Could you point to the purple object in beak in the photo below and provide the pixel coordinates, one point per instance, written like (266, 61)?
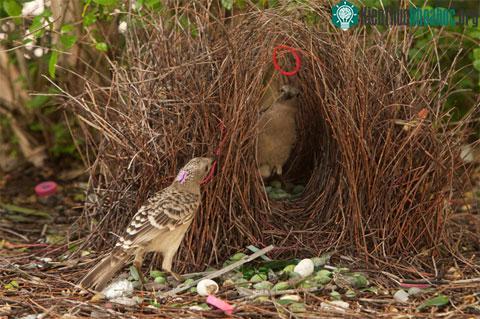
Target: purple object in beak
(182, 176)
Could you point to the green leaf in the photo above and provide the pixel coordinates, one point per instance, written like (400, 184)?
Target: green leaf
(38, 101)
(89, 18)
(101, 46)
(37, 28)
(438, 301)
(241, 4)
(285, 302)
(282, 285)
(66, 28)
(476, 54)
(154, 4)
(476, 65)
(237, 256)
(156, 273)
(262, 3)
(258, 278)
(134, 273)
(475, 34)
(12, 285)
(358, 281)
(227, 4)
(68, 40)
(12, 8)
(297, 307)
(335, 295)
(106, 2)
(272, 3)
(52, 64)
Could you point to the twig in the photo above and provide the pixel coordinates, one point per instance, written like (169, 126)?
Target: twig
(220, 272)
(266, 292)
(25, 238)
(376, 300)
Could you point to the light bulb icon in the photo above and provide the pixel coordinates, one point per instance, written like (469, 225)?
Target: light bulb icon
(345, 15)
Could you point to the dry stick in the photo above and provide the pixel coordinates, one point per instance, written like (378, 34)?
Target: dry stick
(270, 293)
(220, 272)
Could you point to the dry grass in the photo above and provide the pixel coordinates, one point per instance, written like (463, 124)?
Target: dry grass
(373, 188)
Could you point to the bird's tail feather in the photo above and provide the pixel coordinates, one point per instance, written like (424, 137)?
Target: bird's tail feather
(98, 276)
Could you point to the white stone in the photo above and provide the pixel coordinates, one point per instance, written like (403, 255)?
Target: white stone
(35, 7)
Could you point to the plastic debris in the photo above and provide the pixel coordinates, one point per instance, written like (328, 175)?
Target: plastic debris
(45, 189)
(220, 304)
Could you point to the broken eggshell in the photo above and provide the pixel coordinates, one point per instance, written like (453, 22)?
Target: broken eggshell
(207, 287)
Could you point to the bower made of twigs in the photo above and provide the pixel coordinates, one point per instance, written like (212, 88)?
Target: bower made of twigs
(373, 186)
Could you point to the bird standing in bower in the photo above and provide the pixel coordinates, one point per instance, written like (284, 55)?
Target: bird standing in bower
(158, 226)
(277, 132)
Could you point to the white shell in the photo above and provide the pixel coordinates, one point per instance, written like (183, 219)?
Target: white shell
(334, 306)
(305, 267)
(207, 287)
(400, 296)
(290, 297)
(122, 27)
(38, 52)
(120, 288)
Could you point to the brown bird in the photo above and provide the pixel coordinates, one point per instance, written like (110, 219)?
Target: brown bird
(277, 132)
(158, 226)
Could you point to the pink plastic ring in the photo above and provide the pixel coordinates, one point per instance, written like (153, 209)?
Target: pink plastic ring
(46, 189)
(294, 52)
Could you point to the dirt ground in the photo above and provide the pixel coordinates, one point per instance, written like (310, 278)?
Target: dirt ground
(42, 256)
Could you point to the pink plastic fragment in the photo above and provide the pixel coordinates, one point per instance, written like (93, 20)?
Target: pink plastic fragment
(220, 304)
(46, 189)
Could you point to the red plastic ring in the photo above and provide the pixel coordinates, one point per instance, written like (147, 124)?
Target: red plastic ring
(46, 189)
(295, 54)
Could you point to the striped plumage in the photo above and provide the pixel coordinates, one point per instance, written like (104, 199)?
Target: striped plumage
(158, 226)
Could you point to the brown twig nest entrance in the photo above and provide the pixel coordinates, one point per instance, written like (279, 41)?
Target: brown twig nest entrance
(379, 166)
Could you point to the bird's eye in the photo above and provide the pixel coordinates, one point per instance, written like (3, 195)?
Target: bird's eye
(206, 168)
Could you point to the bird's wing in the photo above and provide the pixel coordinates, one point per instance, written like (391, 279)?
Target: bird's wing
(162, 213)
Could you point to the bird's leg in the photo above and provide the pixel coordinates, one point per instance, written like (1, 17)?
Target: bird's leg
(167, 266)
(278, 170)
(137, 263)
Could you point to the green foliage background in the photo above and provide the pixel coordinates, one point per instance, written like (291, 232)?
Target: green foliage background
(54, 125)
